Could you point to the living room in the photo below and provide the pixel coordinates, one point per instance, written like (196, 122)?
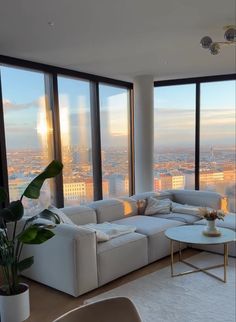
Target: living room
(135, 103)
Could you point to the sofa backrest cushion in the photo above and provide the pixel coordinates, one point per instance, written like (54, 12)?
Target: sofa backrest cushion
(155, 194)
(80, 215)
(197, 198)
(114, 209)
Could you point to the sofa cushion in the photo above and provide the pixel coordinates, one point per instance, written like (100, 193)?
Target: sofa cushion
(197, 198)
(156, 206)
(147, 225)
(107, 230)
(155, 194)
(184, 218)
(120, 256)
(80, 215)
(154, 228)
(113, 209)
(228, 222)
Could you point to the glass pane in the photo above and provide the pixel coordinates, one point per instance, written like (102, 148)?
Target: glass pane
(217, 157)
(28, 127)
(75, 125)
(114, 140)
(174, 137)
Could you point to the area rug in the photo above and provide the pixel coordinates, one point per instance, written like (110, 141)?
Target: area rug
(190, 298)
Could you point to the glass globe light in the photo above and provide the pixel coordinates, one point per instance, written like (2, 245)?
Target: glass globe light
(230, 34)
(214, 48)
(206, 42)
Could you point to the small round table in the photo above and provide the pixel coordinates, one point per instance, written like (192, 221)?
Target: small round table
(192, 234)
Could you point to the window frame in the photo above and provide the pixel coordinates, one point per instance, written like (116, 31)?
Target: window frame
(197, 81)
(51, 89)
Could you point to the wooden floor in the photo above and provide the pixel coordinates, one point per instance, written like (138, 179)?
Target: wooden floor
(48, 304)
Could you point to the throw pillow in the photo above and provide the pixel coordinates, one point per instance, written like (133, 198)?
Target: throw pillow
(155, 206)
(185, 209)
(141, 205)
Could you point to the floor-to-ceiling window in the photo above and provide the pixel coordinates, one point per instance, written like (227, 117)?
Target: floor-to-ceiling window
(217, 138)
(48, 112)
(114, 123)
(204, 108)
(76, 147)
(174, 137)
(28, 127)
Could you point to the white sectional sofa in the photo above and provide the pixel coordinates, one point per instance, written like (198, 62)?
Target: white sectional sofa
(75, 263)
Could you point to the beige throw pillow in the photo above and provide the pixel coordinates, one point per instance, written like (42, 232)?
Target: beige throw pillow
(155, 206)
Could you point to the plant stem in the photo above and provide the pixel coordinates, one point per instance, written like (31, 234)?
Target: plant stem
(14, 232)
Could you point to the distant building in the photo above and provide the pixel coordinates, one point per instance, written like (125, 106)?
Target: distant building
(169, 181)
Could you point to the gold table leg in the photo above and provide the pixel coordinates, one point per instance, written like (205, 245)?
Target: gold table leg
(172, 257)
(196, 268)
(225, 261)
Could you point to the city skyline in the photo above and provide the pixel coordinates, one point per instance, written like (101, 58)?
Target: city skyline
(29, 135)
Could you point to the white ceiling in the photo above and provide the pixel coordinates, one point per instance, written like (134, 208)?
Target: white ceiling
(119, 38)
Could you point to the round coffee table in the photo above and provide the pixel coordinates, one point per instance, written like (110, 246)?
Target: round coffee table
(192, 234)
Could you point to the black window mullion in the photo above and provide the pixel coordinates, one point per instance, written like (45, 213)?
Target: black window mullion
(131, 143)
(197, 137)
(3, 155)
(51, 87)
(96, 140)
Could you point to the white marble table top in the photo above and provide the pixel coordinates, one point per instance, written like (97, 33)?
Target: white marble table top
(192, 234)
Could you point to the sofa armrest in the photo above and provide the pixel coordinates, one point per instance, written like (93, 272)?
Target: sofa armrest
(63, 261)
(198, 198)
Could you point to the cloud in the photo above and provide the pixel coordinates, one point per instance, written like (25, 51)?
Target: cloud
(11, 106)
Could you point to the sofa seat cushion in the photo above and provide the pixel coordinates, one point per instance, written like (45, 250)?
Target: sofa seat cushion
(121, 255)
(228, 222)
(107, 230)
(184, 218)
(148, 225)
(154, 228)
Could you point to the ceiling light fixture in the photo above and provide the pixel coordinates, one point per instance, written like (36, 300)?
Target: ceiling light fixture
(214, 47)
(51, 23)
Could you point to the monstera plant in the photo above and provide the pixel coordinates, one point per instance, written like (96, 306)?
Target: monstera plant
(14, 235)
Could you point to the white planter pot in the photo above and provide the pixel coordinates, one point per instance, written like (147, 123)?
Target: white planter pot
(210, 230)
(15, 308)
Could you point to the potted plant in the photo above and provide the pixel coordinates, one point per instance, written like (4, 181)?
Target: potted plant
(14, 296)
(211, 215)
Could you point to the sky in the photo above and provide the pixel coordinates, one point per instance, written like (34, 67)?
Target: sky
(174, 115)
(23, 97)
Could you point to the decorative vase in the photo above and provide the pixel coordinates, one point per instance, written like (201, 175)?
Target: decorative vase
(15, 308)
(210, 229)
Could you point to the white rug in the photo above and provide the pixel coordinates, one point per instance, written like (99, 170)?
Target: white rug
(191, 298)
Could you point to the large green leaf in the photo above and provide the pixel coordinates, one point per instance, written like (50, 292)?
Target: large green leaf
(28, 234)
(33, 189)
(35, 234)
(13, 212)
(42, 236)
(3, 195)
(25, 263)
(49, 215)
